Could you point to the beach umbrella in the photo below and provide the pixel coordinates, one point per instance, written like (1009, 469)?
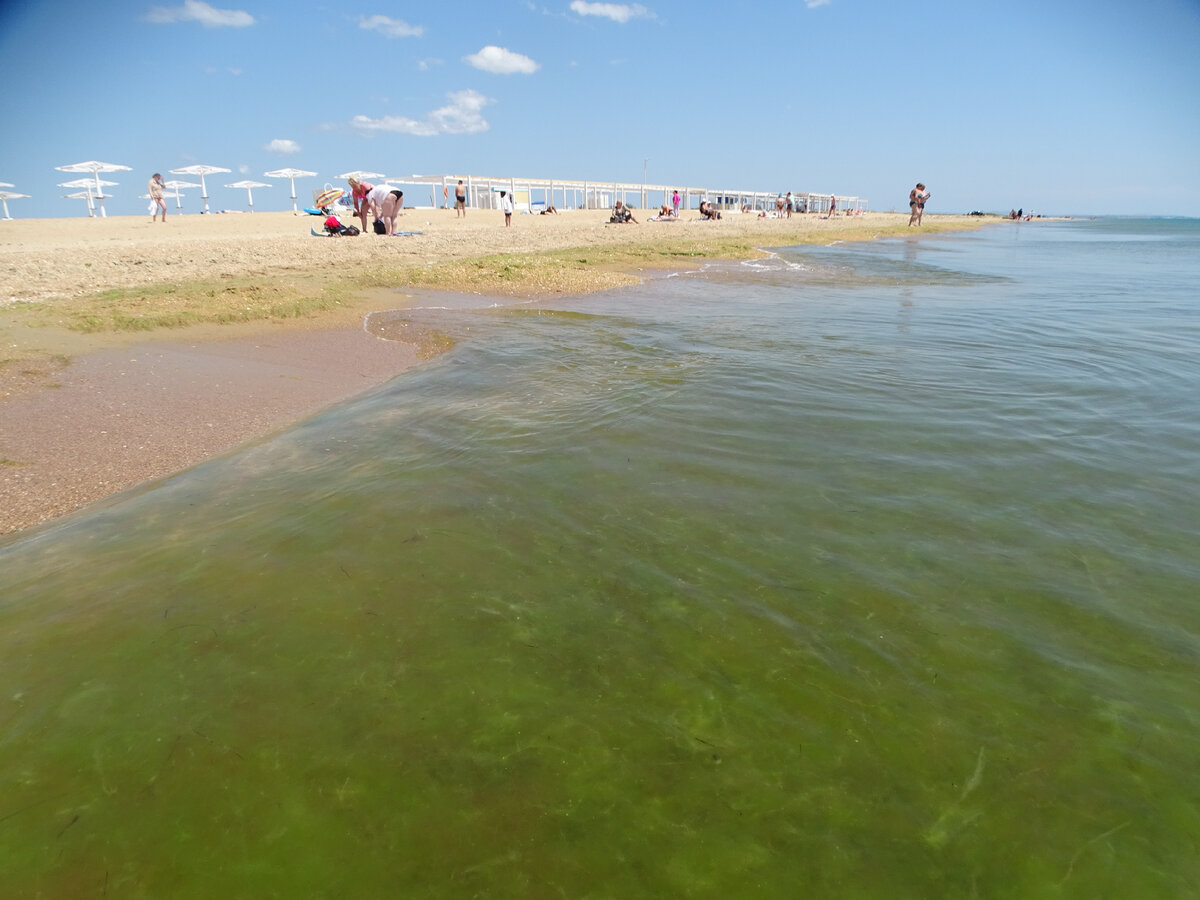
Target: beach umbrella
(201, 171)
(178, 186)
(82, 195)
(88, 184)
(95, 168)
(361, 175)
(166, 194)
(249, 186)
(291, 175)
(327, 197)
(5, 196)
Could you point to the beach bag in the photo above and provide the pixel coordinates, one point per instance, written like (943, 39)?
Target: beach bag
(351, 230)
(379, 227)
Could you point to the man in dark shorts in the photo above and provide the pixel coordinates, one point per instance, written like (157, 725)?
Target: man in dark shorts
(460, 200)
(916, 203)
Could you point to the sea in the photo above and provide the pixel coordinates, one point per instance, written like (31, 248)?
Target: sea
(864, 570)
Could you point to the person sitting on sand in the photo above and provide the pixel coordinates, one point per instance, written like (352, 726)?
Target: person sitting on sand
(549, 211)
(621, 215)
(708, 212)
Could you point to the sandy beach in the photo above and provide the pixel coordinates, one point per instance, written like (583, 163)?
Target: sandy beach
(97, 396)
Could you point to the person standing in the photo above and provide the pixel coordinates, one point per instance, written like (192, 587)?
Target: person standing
(790, 204)
(832, 207)
(460, 200)
(359, 192)
(156, 197)
(916, 203)
(675, 202)
(507, 207)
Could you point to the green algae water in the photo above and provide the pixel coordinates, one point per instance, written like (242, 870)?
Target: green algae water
(859, 571)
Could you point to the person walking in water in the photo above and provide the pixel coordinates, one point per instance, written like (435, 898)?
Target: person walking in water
(916, 203)
(156, 197)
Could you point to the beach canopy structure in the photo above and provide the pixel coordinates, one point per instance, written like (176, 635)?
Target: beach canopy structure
(249, 186)
(360, 175)
(178, 186)
(95, 168)
(82, 195)
(200, 170)
(94, 188)
(5, 196)
(291, 175)
(166, 196)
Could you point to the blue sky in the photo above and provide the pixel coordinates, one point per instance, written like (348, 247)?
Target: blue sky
(1059, 106)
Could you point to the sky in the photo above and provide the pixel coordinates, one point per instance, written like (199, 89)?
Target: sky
(1062, 107)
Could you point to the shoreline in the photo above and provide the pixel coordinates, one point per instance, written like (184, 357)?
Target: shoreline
(87, 411)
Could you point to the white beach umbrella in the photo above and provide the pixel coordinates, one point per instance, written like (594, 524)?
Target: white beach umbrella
(82, 195)
(200, 170)
(249, 186)
(5, 196)
(93, 186)
(361, 175)
(177, 186)
(95, 168)
(291, 175)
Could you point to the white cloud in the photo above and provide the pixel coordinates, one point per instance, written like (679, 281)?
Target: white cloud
(618, 12)
(501, 61)
(199, 11)
(813, 4)
(426, 64)
(389, 27)
(282, 145)
(463, 115)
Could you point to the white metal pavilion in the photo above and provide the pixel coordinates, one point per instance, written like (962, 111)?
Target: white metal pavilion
(530, 194)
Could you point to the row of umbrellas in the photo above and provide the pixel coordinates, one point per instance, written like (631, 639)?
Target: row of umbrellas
(93, 188)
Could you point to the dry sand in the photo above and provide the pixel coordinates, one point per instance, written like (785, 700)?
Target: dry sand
(84, 416)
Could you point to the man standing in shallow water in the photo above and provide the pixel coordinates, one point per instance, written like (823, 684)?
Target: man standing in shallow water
(916, 202)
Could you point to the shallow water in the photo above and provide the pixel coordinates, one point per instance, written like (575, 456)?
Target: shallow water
(865, 570)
